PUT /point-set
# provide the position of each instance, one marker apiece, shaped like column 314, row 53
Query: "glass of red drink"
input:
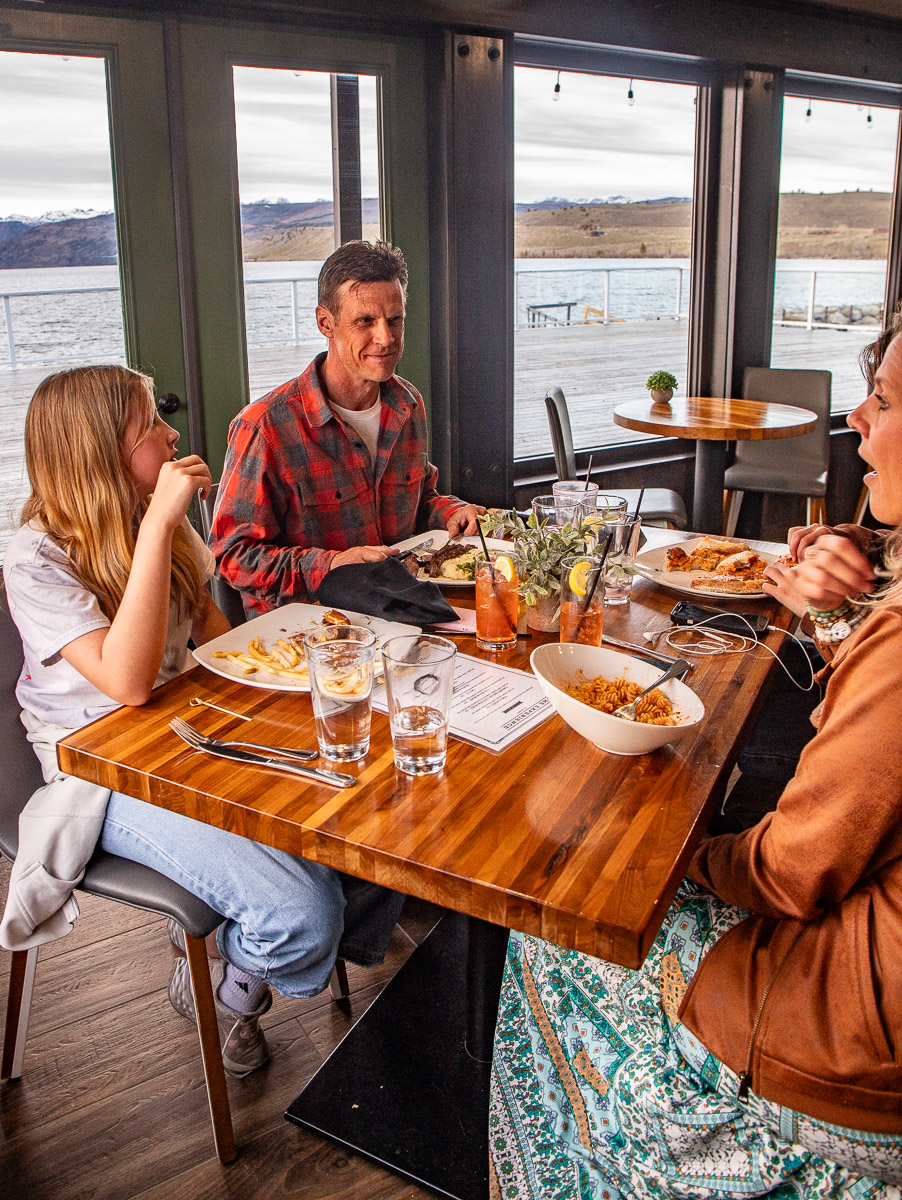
column 497, row 602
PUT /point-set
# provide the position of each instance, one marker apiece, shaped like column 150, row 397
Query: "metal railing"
column 592, row 313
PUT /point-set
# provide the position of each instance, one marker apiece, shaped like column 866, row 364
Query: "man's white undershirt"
column 364, row 422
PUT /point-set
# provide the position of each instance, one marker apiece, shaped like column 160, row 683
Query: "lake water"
column 87, row 326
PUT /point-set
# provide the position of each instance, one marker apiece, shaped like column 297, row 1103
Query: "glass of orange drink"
column 582, row 600
column 497, row 602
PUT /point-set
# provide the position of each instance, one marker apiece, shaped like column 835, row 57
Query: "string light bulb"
column 808, row 112
column 870, row 120
column 630, row 98
column 557, row 88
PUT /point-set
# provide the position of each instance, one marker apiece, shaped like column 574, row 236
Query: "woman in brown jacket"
column 759, row 1049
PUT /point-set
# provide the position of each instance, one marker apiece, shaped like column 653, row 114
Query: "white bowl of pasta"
column 580, row 681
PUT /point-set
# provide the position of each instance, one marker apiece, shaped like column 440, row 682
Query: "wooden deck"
column 111, row 1103
column 597, row 366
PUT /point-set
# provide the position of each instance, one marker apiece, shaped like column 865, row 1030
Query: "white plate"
column 440, row 537
column 651, row 565
column 283, row 622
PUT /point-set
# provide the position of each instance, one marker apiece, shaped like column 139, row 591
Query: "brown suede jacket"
column 806, row 994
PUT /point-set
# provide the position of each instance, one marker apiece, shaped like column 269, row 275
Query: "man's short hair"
column 359, row 262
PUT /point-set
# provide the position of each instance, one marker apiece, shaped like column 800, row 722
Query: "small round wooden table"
column 713, row 423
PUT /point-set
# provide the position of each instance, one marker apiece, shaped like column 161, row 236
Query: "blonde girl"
column 105, row 582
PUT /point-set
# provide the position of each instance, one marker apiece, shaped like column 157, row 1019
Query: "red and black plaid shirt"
column 298, row 487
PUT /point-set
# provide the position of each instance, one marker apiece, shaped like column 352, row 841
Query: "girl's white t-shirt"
column 52, row 607
column 364, row 422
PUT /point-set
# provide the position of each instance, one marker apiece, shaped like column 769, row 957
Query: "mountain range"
column 835, row 225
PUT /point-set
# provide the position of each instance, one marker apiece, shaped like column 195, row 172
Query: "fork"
column 281, row 751
column 627, row 712
column 199, row 741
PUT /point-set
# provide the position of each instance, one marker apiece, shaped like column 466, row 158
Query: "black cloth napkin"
column 385, row 589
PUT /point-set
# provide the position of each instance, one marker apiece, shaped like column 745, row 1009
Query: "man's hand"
column 360, row 554
column 800, row 537
column 832, row 570
column 463, row 522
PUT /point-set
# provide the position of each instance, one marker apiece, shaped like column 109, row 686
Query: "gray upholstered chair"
column 226, row 597
column 785, row 466
column 658, row 504
column 112, row 878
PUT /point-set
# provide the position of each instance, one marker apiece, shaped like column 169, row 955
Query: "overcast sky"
column 54, row 142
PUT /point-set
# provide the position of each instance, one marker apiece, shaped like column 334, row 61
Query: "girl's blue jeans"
column 285, row 919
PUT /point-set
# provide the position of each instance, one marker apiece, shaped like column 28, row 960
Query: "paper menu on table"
column 491, row 706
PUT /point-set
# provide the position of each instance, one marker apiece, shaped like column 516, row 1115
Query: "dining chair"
column 111, row 878
column 658, row 504
column 785, row 466
column 228, row 600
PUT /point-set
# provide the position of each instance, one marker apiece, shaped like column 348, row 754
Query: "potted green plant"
column 661, row 385
column 539, row 550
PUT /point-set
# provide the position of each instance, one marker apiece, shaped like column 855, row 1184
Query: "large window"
column 284, row 123
column 60, row 301
column 836, row 183
column 603, row 201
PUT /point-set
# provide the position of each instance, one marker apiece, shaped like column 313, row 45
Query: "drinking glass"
column 419, row 676
column 618, row 570
column 606, row 508
column 497, row 603
column 340, row 661
column 580, row 623
column 574, row 499
column 545, row 509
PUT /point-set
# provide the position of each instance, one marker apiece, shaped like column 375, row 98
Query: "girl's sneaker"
column 244, row 1047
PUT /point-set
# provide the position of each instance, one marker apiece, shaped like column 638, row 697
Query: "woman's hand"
column 779, row 582
column 178, row 483
column 832, row 570
column 800, row 537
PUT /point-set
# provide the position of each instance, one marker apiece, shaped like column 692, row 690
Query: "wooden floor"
column 112, row 1105
column 598, row 367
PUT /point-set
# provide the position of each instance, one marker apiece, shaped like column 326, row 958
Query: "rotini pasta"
column 606, row 695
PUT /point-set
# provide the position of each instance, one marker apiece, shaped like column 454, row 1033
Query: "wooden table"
column 713, row 423
column 554, row 837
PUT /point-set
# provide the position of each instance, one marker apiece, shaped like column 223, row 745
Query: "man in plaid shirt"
column 331, row 467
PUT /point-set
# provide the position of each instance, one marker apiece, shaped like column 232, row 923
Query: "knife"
column 318, row 774
column 413, row 549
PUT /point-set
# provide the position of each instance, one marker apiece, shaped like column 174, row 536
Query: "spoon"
column 627, row 712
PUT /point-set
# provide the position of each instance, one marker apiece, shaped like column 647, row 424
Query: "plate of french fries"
column 268, row 652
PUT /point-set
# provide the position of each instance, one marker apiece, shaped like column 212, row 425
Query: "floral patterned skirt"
column 598, row 1093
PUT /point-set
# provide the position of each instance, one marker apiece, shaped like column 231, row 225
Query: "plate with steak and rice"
column 450, row 563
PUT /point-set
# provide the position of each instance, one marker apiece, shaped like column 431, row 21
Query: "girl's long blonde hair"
column 81, row 486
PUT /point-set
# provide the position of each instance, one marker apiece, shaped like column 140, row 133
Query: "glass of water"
column 621, row 556
column 419, row 676
column 340, row 661
column 575, row 499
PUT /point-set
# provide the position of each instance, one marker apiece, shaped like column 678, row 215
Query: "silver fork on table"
column 280, row 751
column 199, row 741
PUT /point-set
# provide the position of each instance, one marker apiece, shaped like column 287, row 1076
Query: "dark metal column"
column 480, row 336
column 894, row 249
column 345, row 94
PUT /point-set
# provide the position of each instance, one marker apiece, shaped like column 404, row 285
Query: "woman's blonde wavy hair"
column 891, row 549
column 81, row 486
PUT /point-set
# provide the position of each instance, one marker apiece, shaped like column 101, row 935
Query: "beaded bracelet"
column 836, row 624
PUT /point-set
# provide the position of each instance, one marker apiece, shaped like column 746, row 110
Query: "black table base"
column 403, row 1087
column 707, row 496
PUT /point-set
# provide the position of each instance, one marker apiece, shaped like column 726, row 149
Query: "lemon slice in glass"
column 578, row 578
column 505, row 567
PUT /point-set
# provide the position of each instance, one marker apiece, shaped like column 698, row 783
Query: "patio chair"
column 112, row 878
column 658, row 504
column 785, row 466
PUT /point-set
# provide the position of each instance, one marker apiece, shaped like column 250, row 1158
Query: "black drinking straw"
column 598, row 573
column 639, row 502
